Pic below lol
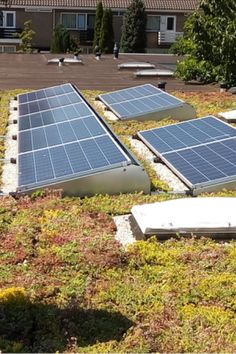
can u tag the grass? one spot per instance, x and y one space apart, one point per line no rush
68 286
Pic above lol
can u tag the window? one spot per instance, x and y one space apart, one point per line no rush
90 21
81 21
77 21
170 23
8 19
153 23
68 20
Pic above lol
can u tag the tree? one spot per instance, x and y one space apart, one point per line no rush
107 35
26 37
62 41
133 39
98 23
209 41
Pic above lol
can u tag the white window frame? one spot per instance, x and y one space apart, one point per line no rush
154 30
77 20
4 19
174 26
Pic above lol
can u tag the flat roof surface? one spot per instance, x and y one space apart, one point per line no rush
30 71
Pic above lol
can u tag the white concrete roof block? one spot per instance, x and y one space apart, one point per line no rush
187 215
229 116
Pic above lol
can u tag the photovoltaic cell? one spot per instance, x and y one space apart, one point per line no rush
52 135
201 151
26 164
60 137
140 100
109 150
43 166
77 158
58 154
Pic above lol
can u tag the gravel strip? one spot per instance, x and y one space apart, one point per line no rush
163 172
9 175
124 232
107 114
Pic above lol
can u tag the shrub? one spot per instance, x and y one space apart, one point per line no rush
209 41
62 41
193 69
26 37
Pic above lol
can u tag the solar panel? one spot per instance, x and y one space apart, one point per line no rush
202 151
61 137
138 101
44 93
187 134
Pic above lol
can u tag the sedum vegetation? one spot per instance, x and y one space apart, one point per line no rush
68 286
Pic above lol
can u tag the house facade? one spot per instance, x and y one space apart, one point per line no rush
165 20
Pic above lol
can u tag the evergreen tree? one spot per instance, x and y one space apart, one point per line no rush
133 39
209 42
98 23
107 35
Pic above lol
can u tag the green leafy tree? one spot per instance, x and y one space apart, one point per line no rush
107 35
26 37
98 24
209 41
62 41
133 39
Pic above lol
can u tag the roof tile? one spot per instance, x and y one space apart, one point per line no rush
180 5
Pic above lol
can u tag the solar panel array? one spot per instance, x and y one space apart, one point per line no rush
140 100
201 151
61 137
